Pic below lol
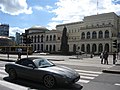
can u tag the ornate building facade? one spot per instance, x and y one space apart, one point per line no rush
94 34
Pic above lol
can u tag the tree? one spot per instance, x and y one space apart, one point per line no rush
64 42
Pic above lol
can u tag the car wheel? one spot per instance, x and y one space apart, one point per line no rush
49 81
12 74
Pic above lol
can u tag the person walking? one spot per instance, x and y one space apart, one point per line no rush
114 57
102 58
106 57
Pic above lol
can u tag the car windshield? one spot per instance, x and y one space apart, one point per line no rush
41 62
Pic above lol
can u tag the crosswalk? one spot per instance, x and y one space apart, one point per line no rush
86 77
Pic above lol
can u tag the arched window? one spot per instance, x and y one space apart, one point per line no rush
94 48
88 48
46 47
106 34
42 38
50 48
42 47
107 47
100 48
47 38
54 37
94 35
54 48
100 34
83 35
35 39
38 38
32 38
83 48
50 37
88 35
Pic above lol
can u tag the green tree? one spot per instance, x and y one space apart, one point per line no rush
64 42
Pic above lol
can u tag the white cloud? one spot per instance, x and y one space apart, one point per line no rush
75 10
38 8
15 7
52 25
13 30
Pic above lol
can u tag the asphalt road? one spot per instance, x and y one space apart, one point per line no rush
92 77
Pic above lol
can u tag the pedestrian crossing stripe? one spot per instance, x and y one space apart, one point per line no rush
94 72
117 84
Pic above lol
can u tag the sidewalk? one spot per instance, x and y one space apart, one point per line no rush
115 69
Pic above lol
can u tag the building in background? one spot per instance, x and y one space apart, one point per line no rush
4 30
17 38
44 40
94 34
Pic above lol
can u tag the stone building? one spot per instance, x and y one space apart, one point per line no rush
94 34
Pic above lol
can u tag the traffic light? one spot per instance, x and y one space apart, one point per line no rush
25 38
115 43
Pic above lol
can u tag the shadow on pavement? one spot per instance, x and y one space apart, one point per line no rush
40 86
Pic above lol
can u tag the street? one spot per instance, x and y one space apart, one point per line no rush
90 70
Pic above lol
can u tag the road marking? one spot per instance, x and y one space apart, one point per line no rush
84 81
88 71
87 77
2 67
117 84
86 74
12 85
3 75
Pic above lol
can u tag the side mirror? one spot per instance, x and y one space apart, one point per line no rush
31 65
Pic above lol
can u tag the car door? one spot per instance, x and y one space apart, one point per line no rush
26 71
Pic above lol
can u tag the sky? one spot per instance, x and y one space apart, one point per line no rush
23 14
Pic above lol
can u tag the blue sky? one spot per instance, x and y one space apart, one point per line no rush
23 14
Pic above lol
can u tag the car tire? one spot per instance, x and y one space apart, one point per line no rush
49 81
12 74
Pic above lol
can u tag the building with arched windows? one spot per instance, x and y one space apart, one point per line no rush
94 34
44 40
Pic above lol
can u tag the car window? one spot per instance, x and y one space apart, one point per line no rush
26 62
42 62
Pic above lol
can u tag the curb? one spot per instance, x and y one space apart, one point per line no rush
111 71
7 60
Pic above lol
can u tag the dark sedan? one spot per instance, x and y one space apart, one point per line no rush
41 69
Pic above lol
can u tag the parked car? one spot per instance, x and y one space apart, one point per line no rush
43 70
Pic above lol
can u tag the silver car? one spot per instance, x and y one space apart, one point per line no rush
43 70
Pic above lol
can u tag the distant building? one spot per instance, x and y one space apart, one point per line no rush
17 38
12 38
4 30
94 34
5 41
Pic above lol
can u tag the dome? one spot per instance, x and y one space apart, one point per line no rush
36 29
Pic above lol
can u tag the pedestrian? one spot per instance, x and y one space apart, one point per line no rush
102 58
19 53
106 57
19 56
114 57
